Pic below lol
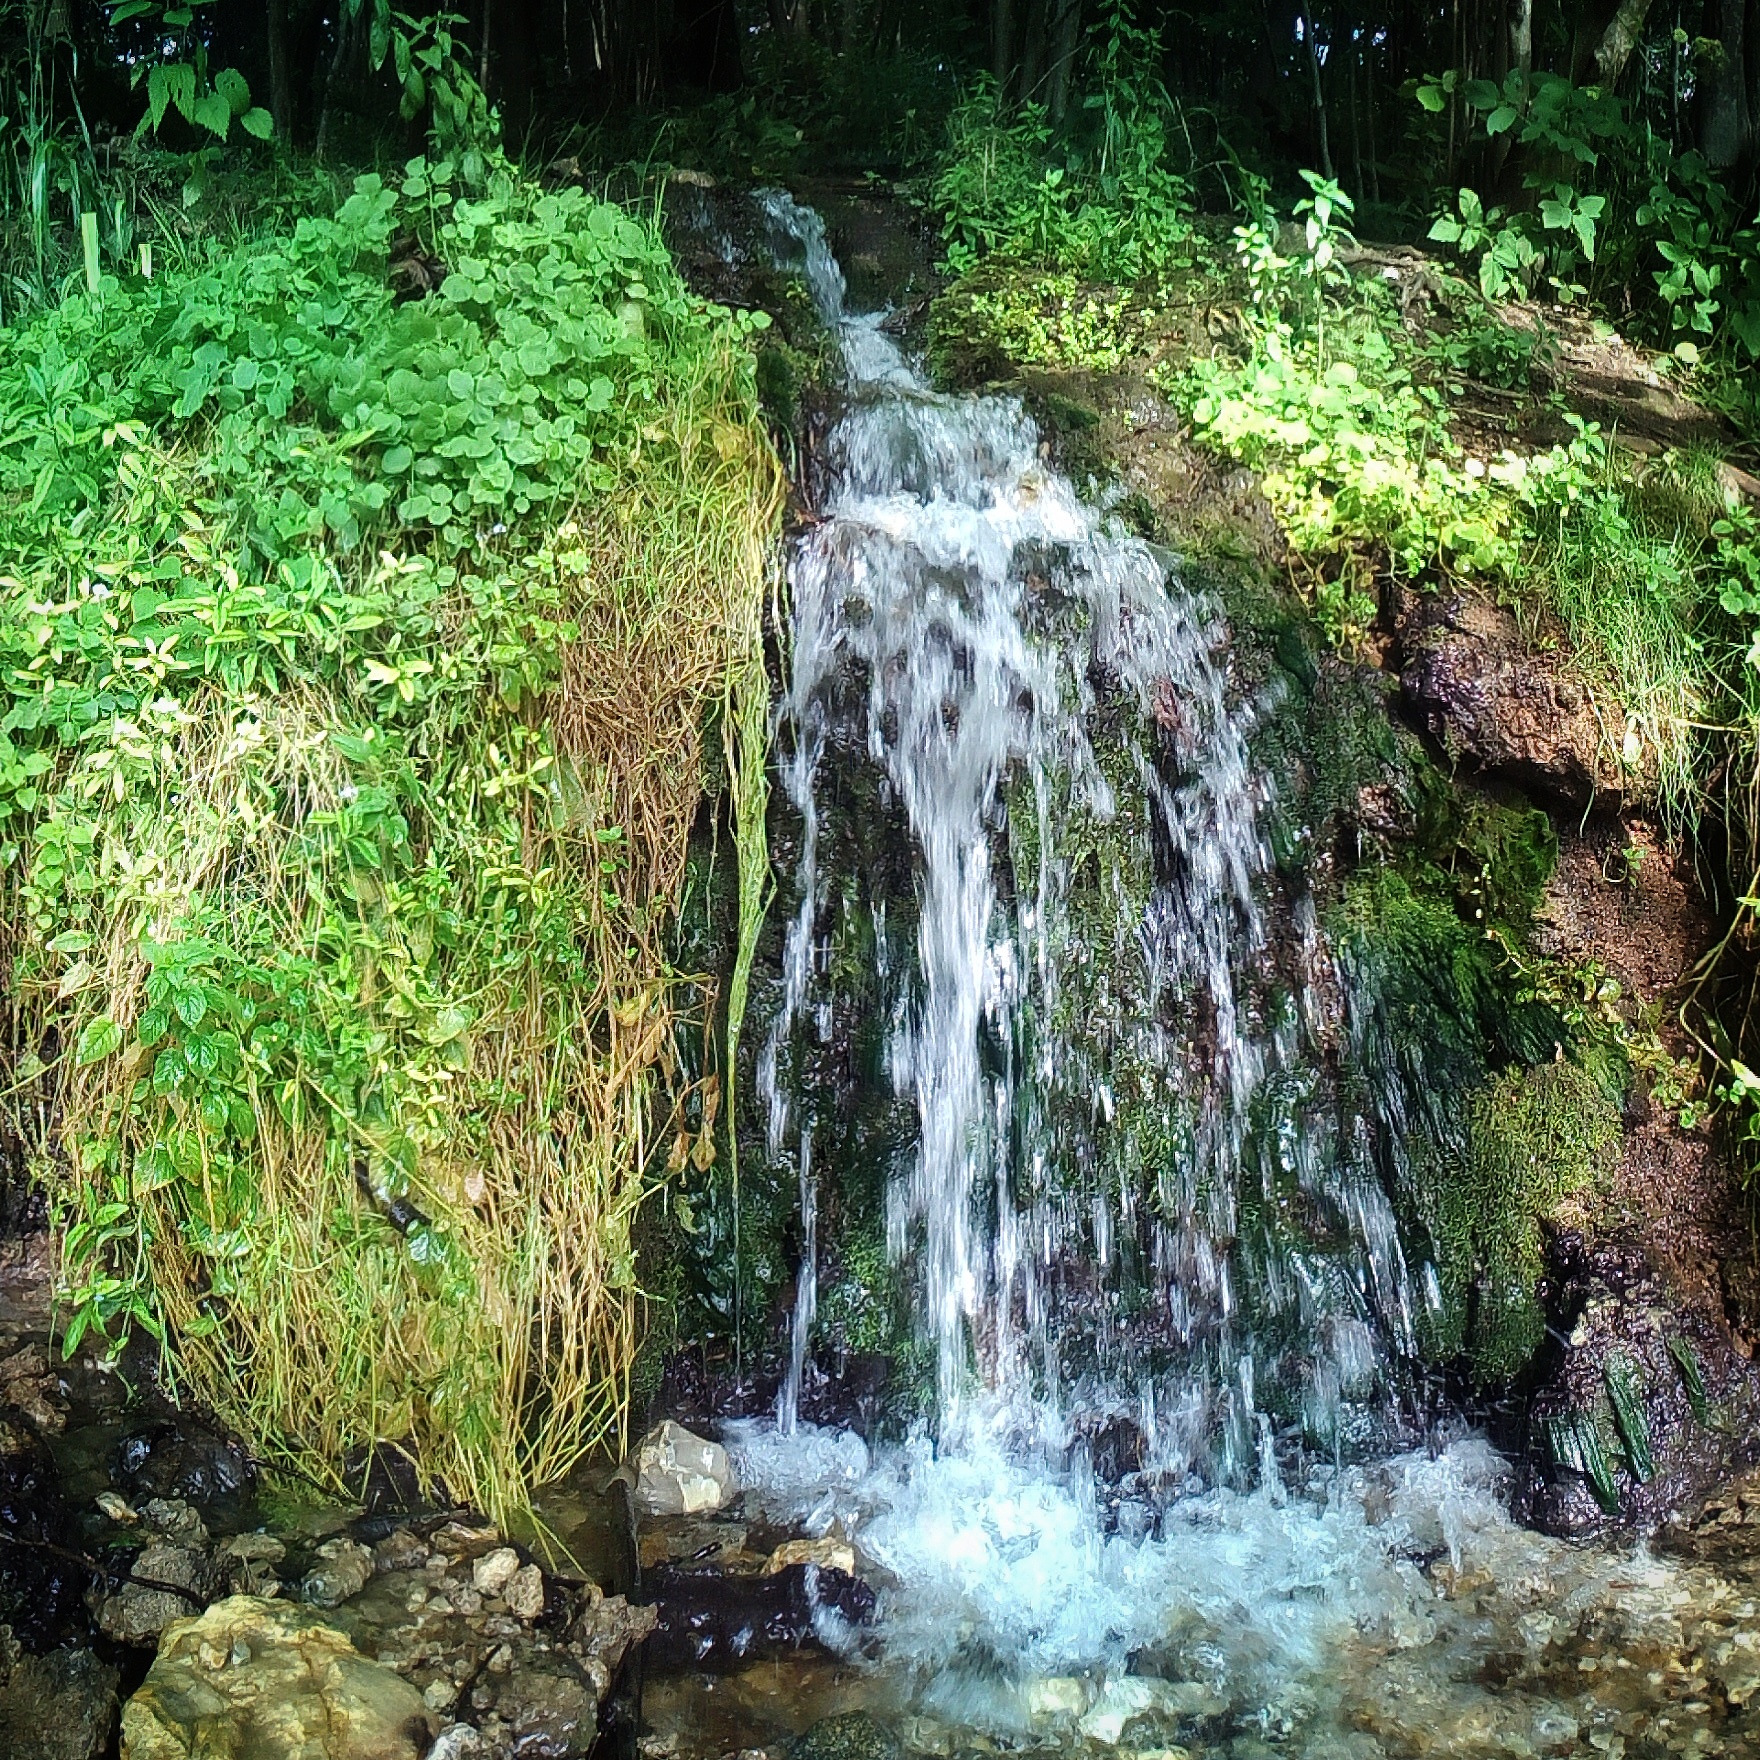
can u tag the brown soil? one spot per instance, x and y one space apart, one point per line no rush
1647 926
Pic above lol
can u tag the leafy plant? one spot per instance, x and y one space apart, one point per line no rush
207 98
354 655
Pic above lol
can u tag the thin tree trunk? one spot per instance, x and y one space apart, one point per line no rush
1356 121
280 73
1521 39
1619 40
1066 36
1319 94
1033 34
346 30
1374 151
1002 41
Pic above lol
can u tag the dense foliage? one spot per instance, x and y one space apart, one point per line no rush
333 919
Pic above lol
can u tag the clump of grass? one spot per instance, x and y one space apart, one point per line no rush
356 655
1619 557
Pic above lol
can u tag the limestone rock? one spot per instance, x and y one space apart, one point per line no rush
828 1554
491 1573
1483 691
1055 1696
536 1703
458 1741
251 1679
673 1473
524 1593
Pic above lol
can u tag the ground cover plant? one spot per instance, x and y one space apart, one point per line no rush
358 653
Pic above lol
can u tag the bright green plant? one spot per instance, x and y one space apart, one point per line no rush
354 656
206 98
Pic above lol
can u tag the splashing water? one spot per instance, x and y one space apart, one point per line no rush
1111 1120
1027 679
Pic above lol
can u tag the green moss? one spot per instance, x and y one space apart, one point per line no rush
1534 1138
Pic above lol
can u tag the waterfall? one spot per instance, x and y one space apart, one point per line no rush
965 623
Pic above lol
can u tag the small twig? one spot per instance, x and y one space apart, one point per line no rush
104 1574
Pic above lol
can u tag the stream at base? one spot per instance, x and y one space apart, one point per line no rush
1169 1492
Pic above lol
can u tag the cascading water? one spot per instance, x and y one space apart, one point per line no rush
1162 1497
1032 684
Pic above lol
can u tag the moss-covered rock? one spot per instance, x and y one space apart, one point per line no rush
1534 1138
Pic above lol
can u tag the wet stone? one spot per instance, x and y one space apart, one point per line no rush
344 1568
179 1457
400 1551
61 1706
674 1473
251 1678
853 1736
827 1555
41 1590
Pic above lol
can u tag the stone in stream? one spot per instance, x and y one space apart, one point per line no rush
673 1473
250 1679
344 1568
854 1735
61 1706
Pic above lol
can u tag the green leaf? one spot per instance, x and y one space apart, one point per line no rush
213 113
1500 119
101 1037
258 122
234 88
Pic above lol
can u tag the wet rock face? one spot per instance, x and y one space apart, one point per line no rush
180 1456
252 1678
61 1706
1476 685
1643 1403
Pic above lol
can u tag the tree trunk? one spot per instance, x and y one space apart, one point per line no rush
1521 39
1723 86
1002 41
1319 93
1066 36
280 73
346 31
1619 40
1033 33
